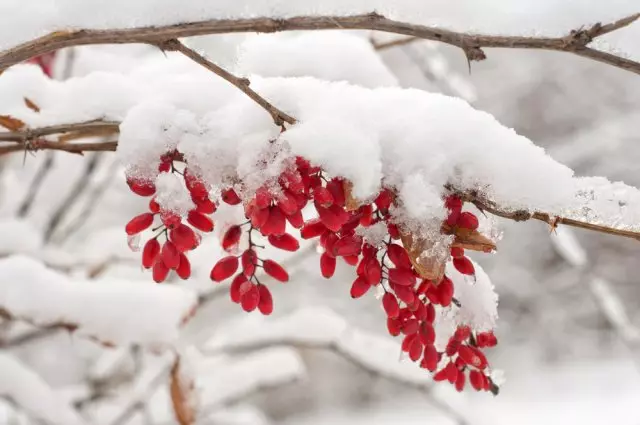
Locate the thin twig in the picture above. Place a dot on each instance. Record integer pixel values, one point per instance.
(278, 116)
(73, 196)
(36, 184)
(81, 129)
(472, 44)
(76, 148)
(489, 206)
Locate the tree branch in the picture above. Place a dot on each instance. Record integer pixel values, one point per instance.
(78, 130)
(472, 44)
(278, 116)
(76, 148)
(489, 206)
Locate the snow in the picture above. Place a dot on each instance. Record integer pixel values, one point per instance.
(330, 56)
(478, 298)
(19, 237)
(173, 194)
(30, 392)
(319, 327)
(118, 312)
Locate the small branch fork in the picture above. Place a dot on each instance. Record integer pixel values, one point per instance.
(472, 44)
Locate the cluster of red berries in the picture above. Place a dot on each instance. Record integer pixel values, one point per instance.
(409, 301)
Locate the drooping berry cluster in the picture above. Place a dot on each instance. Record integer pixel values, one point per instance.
(410, 302)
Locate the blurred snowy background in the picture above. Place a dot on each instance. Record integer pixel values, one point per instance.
(569, 325)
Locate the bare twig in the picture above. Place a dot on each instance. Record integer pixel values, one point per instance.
(36, 184)
(278, 116)
(489, 206)
(472, 44)
(72, 197)
(76, 148)
(81, 129)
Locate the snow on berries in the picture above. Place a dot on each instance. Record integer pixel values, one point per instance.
(366, 235)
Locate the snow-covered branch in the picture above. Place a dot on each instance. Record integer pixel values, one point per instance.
(472, 44)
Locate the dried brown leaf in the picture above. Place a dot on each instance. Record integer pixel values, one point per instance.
(181, 393)
(31, 105)
(470, 239)
(351, 203)
(428, 267)
(11, 123)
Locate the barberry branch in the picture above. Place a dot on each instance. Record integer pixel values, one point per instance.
(575, 42)
(486, 205)
(75, 148)
(77, 130)
(279, 117)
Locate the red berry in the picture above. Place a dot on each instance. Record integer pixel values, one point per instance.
(464, 265)
(393, 326)
(263, 198)
(200, 221)
(402, 277)
(462, 333)
(285, 242)
(160, 271)
(415, 350)
(430, 360)
(184, 269)
(351, 260)
(347, 246)
(150, 253)
(393, 231)
(366, 217)
(457, 252)
(359, 287)
(258, 217)
(452, 373)
(229, 196)
(410, 327)
(170, 219)
(424, 287)
(431, 313)
(404, 293)
(154, 207)
(441, 375)
(445, 292)
(467, 220)
(234, 289)
(204, 205)
(332, 218)
(323, 197)
(141, 187)
(384, 199)
(224, 268)
(452, 347)
(249, 260)
(287, 203)
(170, 255)
(336, 188)
(312, 229)
(139, 223)
(276, 223)
(250, 297)
(327, 265)
(372, 271)
(398, 256)
(296, 219)
(475, 377)
(184, 237)
(266, 300)
(231, 237)
(390, 305)
(427, 333)
(460, 381)
(275, 270)
(472, 356)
